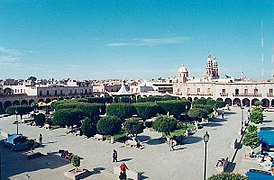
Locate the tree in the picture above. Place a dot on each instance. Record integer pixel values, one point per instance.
(68, 117)
(197, 113)
(146, 110)
(21, 110)
(165, 124)
(40, 119)
(121, 110)
(133, 126)
(227, 176)
(88, 127)
(32, 78)
(207, 108)
(258, 103)
(251, 139)
(174, 107)
(109, 125)
(75, 161)
(252, 128)
(91, 110)
(256, 116)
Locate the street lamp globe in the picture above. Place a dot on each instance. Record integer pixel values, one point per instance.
(206, 137)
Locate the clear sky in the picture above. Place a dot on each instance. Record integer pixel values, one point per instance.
(130, 39)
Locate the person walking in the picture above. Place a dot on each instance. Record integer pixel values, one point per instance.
(40, 139)
(114, 156)
(123, 168)
(170, 144)
(223, 115)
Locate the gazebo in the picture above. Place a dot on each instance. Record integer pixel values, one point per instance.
(123, 92)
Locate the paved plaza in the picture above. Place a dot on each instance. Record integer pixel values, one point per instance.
(154, 161)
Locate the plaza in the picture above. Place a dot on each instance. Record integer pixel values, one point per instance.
(153, 162)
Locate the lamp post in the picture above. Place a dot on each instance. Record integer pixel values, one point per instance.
(206, 138)
(16, 112)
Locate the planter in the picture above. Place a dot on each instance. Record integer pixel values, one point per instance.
(76, 173)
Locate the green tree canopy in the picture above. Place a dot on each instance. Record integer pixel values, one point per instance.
(40, 119)
(174, 107)
(133, 126)
(21, 110)
(88, 127)
(207, 108)
(75, 161)
(197, 113)
(109, 125)
(256, 117)
(228, 176)
(258, 103)
(121, 110)
(91, 109)
(251, 139)
(252, 128)
(68, 117)
(165, 124)
(146, 110)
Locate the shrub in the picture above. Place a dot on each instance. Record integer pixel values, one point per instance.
(197, 113)
(165, 124)
(65, 104)
(146, 110)
(88, 127)
(251, 139)
(256, 117)
(91, 110)
(227, 176)
(258, 103)
(252, 128)
(40, 119)
(109, 125)
(68, 117)
(174, 107)
(75, 161)
(207, 108)
(21, 110)
(133, 126)
(99, 99)
(121, 110)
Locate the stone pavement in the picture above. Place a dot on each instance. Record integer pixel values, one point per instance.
(154, 161)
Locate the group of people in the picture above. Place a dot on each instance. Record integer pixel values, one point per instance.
(123, 166)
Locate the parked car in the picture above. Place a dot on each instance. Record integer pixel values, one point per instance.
(16, 142)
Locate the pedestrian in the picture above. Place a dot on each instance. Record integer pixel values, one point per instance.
(123, 168)
(114, 156)
(170, 144)
(122, 176)
(223, 115)
(40, 139)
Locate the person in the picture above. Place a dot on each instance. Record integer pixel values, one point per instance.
(40, 138)
(223, 115)
(114, 156)
(123, 168)
(122, 176)
(171, 144)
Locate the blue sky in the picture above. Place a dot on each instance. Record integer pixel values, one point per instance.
(131, 39)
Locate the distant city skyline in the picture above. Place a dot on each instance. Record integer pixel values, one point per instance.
(145, 39)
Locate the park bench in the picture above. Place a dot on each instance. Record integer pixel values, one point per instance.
(99, 137)
(130, 174)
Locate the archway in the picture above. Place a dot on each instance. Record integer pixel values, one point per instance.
(1, 107)
(266, 103)
(190, 99)
(246, 102)
(7, 91)
(228, 101)
(253, 101)
(67, 98)
(219, 99)
(237, 101)
(7, 104)
(61, 99)
(16, 103)
(41, 100)
(196, 98)
(55, 99)
(31, 101)
(209, 98)
(272, 103)
(47, 100)
(24, 102)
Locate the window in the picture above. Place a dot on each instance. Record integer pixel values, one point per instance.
(255, 91)
(188, 90)
(75, 91)
(209, 90)
(198, 90)
(55, 93)
(61, 92)
(236, 91)
(40, 93)
(86, 91)
(246, 91)
(70, 91)
(223, 91)
(270, 91)
(47, 92)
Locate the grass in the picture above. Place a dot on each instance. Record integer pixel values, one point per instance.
(180, 132)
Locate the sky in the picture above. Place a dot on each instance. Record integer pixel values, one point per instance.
(134, 39)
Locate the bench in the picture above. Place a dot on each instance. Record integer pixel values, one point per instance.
(130, 174)
(99, 137)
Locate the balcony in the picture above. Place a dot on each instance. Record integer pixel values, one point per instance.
(199, 94)
(247, 95)
(270, 95)
(223, 94)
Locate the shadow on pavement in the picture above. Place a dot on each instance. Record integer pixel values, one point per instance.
(97, 170)
(142, 176)
(14, 163)
(230, 167)
(267, 121)
(143, 138)
(192, 139)
(212, 124)
(218, 120)
(156, 141)
(125, 159)
(267, 128)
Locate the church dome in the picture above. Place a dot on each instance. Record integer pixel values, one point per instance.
(182, 69)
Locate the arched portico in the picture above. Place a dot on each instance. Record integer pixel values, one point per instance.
(8, 91)
(228, 101)
(237, 101)
(254, 101)
(24, 102)
(246, 102)
(219, 99)
(190, 99)
(47, 100)
(272, 103)
(16, 103)
(7, 104)
(31, 101)
(195, 98)
(266, 102)
(41, 100)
